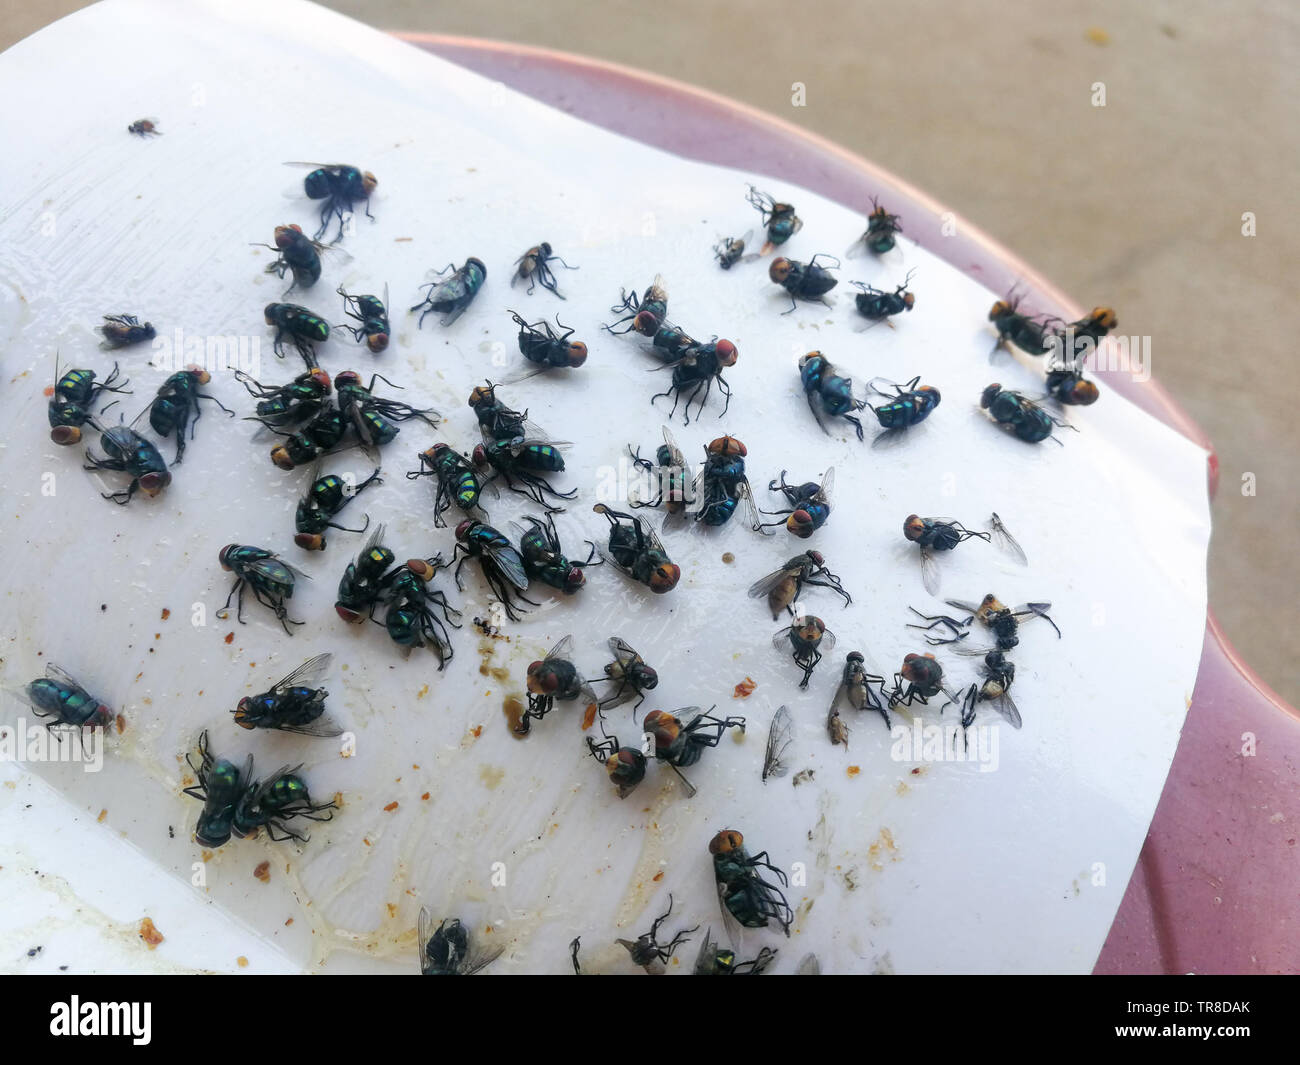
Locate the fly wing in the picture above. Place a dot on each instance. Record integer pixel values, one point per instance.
(624, 653)
(1006, 706)
(322, 725)
(479, 958)
(780, 734)
(827, 643)
(54, 673)
(745, 492)
(510, 564)
(826, 492)
(562, 650)
(424, 932)
(762, 587)
(307, 675)
(1003, 538)
(929, 571)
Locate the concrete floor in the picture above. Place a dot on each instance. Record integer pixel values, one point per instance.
(989, 107)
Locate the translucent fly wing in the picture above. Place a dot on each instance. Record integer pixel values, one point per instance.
(510, 564)
(929, 571)
(479, 958)
(1004, 540)
(809, 966)
(54, 673)
(624, 653)
(424, 932)
(782, 640)
(827, 643)
(825, 494)
(745, 493)
(1006, 706)
(780, 735)
(322, 726)
(561, 650)
(677, 455)
(762, 587)
(307, 675)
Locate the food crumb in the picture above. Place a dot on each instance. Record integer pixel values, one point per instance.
(121, 724)
(745, 688)
(263, 872)
(230, 637)
(150, 934)
(102, 814)
(390, 807)
(166, 613)
(425, 795)
(853, 770)
(242, 962)
(728, 557)
(658, 876)
(288, 922)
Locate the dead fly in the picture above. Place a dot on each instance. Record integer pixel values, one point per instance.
(804, 281)
(882, 227)
(779, 219)
(372, 315)
(298, 254)
(145, 127)
(646, 313)
(806, 638)
(731, 250)
(672, 473)
(998, 674)
(877, 305)
(544, 349)
(534, 267)
(783, 586)
(119, 330)
(340, 186)
(858, 690)
(326, 495)
(680, 744)
(452, 290)
(918, 681)
(294, 704)
(176, 406)
(445, 951)
(554, 678)
(1003, 622)
(636, 550)
(780, 734)
(629, 673)
(714, 960)
(625, 767)
(648, 952)
(1003, 539)
(936, 534)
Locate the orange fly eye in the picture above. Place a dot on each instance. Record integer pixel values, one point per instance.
(1084, 393)
(908, 300)
(479, 395)
(242, 715)
(665, 578)
(913, 527)
(646, 323)
(727, 352)
(369, 181)
(1105, 317)
(377, 342)
(280, 456)
(577, 353)
(65, 434)
(199, 374)
(999, 309)
(726, 841)
(420, 568)
(779, 270)
(321, 378)
(310, 541)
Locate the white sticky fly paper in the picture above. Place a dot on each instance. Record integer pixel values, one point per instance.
(900, 866)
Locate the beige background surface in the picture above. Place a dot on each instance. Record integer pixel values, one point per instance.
(987, 106)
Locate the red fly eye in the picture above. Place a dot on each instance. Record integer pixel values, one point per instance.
(322, 379)
(574, 578)
(377, 342)
(646, 323)
(727, 353)
(909, 300)
(462, 530)
(480, 455)
(347, 613)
